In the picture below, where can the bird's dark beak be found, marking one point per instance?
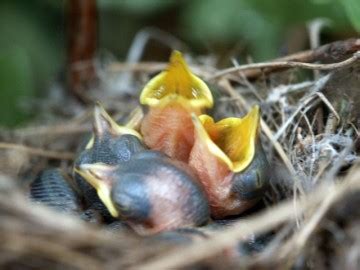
(103, 123)
(99, 176)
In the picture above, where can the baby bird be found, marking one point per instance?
(172, 96)
(230, 162)
(110, 144)
(151, 192)
(52, 188)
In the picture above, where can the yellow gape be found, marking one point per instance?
(232, 140)
(173, 96)
(177, 81)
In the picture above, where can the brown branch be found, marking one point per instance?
(286, 64)
(82, 43)
(37, 151)
(335, 51)
(331, 52)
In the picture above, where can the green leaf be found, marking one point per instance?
(352, 8)
(29, 56)
(231, 21)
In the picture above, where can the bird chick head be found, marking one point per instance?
(104, 125)
(151, 192)
(229, 161)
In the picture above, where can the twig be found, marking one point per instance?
(340, 162)
(282, 129)
(314, 30)
(329, 105)
(39, 216)
(247, 83)
(77, 124)
(150, 67)
(37, 151)
(313, 154)
(136, 67)
(283, 90)
(287, 64)
(48, 249)
(52, 130)
(330, 52)
(293, 246)
(277, 146)
(306, 100)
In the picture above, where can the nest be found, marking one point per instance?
(308, 219)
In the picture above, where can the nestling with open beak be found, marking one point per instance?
(172, 96)
(110, 144)
(151, 192)
(230, 162)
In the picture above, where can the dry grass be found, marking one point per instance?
(311, 211)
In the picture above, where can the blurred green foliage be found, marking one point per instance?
(30, 55)
(352, 8)
(32, 34)
(261, 24)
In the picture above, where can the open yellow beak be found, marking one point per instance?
(177, 80)
(104, 123)
(96, 176)
(232, 140)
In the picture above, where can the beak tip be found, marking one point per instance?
(115, 214)
(98, 111)
(83, 167)
(175, 54)
(196, 121)
(176, 59)
(97, 108)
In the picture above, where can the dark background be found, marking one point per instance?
(33, 36)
